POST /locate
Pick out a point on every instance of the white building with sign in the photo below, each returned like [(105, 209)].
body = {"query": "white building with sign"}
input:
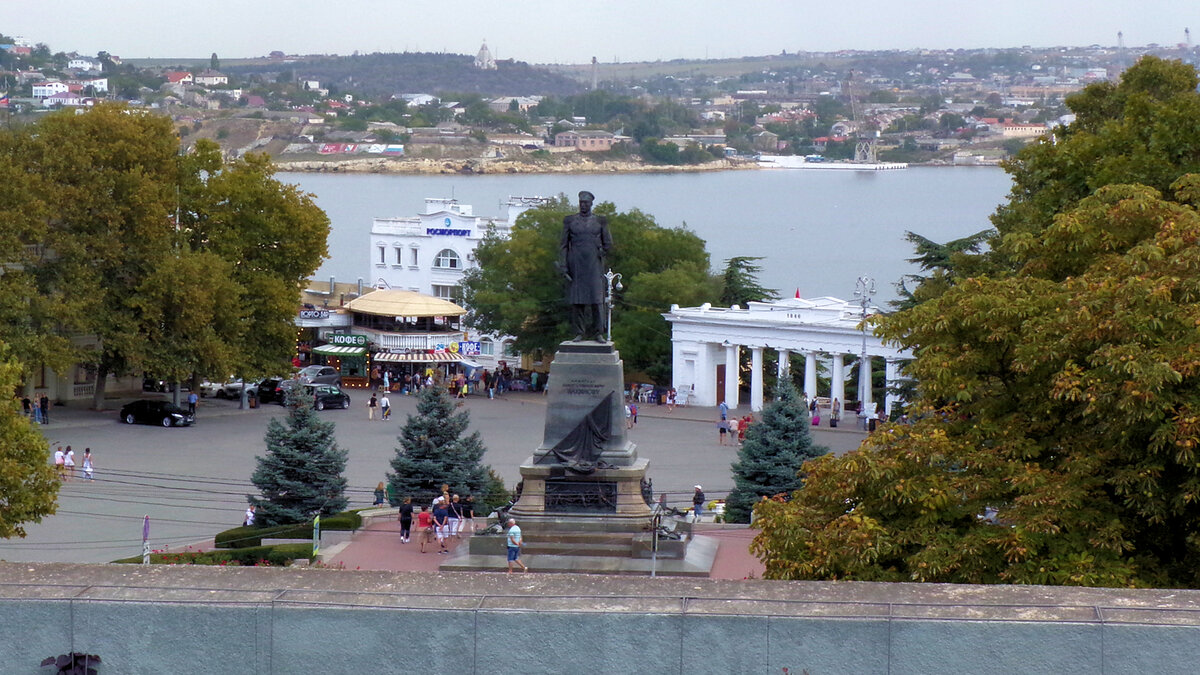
[(706, 344), (429, 253)]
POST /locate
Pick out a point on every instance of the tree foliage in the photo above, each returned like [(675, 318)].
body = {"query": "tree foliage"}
[(172, 264), (300, 476), (28, 486), (769, 461), (740, 283), (1060, 392), (435, 450), (516, 290)]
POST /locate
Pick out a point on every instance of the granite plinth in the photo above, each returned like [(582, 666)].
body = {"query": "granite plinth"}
[(586, 382), (537, 508)]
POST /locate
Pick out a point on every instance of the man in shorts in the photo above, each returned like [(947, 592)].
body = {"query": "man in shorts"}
[(441, 523), (514, 546)]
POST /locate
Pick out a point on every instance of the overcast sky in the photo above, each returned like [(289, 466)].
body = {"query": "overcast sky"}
[(572, 31)]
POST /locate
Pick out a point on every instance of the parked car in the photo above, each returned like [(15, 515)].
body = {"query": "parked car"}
[(327, 396), (155, 412), (210, 388), (320, 375), (267, 389), (282, 389)]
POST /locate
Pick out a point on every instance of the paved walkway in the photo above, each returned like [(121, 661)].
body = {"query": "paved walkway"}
[(378, 547)]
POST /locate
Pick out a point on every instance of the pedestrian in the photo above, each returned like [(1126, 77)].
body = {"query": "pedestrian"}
[(533, 378), (405, 517), (469, 514), (514, 541), (88, 464), (671, 400), (380, 493), (385, 407), (742, 427), (491, 384), (192, 399), (722, 429), (371, 405), (387, 381), (69, 463), (697, 504), (441, 524), (724, 408), (26, 407), (633, 412), (60, 458), (248, 521), (389, 495), (455, 517), (44, 404), (733, 430), (835, 412), (628, 415), (424, 526)]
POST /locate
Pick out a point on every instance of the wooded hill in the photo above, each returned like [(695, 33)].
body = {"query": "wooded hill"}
[(386, 74)]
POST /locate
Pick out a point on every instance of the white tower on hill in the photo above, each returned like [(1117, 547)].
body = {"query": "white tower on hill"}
[(484, 60)]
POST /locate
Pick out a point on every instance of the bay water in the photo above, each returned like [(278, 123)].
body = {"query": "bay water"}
[(817, 231)]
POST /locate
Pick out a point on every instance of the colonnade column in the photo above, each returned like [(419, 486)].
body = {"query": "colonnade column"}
[(810, 374), (731, 376), (838, 379), (891, 374), (864, 385), (784, 367), (756, 379)]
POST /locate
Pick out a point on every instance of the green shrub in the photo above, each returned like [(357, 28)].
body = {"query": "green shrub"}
[(246, 537), (279, 555)]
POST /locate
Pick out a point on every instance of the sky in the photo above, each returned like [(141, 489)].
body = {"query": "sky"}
[(573, 31)]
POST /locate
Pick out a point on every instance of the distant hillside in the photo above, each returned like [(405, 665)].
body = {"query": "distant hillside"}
[(386, 74)]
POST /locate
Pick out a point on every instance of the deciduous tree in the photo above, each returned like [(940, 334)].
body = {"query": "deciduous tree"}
[(1058, 396), (516, 290), (28, 486)]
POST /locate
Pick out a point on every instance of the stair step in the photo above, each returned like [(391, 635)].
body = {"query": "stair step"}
[(578, 548)]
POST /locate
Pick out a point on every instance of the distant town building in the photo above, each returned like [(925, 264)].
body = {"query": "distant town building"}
[(44, 90), (211, 78), (1017, 130), (179, 77), (83, 64), (586, 141)]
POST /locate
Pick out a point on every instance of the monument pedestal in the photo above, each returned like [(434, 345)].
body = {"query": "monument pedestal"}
[(584, 504)]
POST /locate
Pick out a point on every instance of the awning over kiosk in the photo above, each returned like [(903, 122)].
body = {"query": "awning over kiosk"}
[(339, 350), (403, 303), (440, 357)]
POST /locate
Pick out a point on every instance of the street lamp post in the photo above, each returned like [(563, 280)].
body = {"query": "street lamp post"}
[(614, 283), (864, 289)]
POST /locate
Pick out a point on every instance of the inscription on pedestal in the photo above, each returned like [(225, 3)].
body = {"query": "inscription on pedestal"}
[(580, 386), (565, 496)]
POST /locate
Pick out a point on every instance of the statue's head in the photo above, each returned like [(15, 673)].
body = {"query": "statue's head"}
[(586, 199)]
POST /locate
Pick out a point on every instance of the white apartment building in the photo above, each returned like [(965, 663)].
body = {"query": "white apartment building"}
[(429, 253), (47, 89)]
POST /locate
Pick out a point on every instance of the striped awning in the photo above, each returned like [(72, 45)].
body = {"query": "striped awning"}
[(339, 350), (440, 357)]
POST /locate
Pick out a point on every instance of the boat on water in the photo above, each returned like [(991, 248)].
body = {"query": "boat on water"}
[(817, 162)]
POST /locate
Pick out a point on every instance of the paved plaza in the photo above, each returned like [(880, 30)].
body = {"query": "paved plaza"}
[(192, 481)]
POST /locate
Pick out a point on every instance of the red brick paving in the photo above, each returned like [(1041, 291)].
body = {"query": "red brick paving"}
[(378, 547)]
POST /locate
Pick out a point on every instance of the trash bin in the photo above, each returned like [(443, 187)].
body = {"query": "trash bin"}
[(252, 401)]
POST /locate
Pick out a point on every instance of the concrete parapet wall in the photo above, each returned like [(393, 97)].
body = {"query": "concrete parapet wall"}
[(253, 620)]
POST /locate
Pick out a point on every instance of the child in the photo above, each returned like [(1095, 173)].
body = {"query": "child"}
[(425, 526)]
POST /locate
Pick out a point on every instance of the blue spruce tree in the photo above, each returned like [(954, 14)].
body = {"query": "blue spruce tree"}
[(770, 459), (434, 452), (300, 475)]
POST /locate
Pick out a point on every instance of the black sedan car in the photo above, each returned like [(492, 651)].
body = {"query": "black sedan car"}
[(155, 412), (327, 396)]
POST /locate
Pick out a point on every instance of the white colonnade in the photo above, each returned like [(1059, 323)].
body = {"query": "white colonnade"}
[(707, 343)]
